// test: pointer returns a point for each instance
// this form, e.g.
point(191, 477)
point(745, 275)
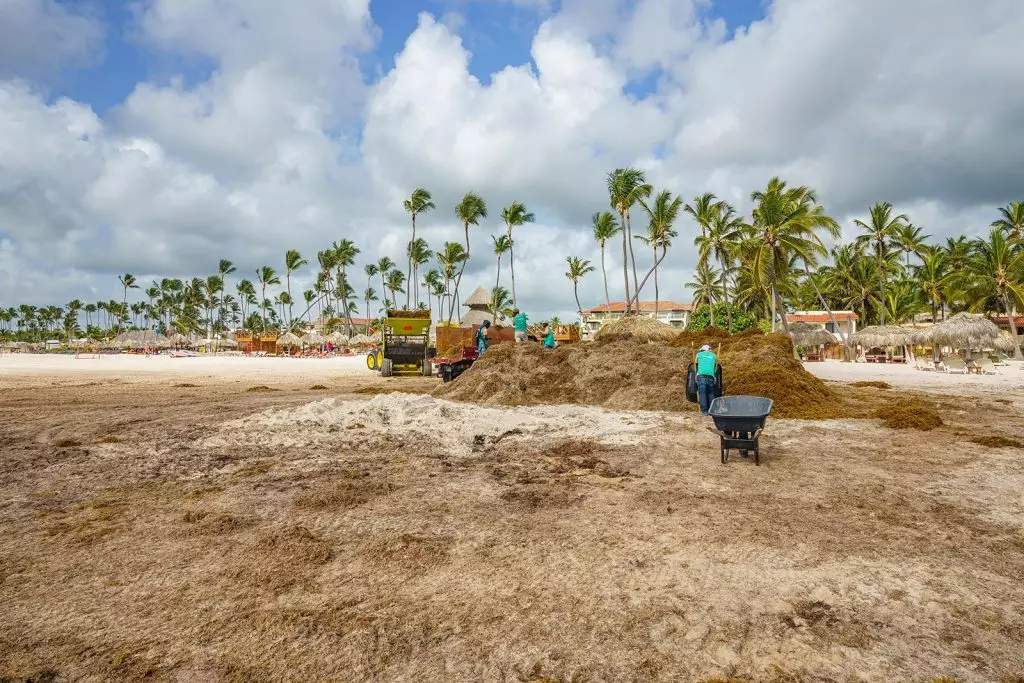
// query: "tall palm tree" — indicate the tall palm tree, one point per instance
point(419, 202)
point(345, 252)
point(514, 215)
point(724, 233)
point(128, 282)
point(501, 303)
point(910, 240)
point(369, 295)
point(881, 228)
point(384, 267)
point(577, 269)
point(292, 261)
point(1011, 221)
point(396, 279)
point(449, 260)
point(224, 268)
point(662, 215)
point(703, 210)
point(785, 224)
point(419, 253)
point(605, 226)
point(266, 275)
point(706, 285)
point(502, 244)
point(933, 277)
point(996, 269)
point(470, 211)
point(432, 282)
point(627, 186)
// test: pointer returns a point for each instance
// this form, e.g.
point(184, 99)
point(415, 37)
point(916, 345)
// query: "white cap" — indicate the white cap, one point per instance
point(706, 347)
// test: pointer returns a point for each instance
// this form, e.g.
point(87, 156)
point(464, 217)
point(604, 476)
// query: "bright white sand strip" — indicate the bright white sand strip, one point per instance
point(1010, 377)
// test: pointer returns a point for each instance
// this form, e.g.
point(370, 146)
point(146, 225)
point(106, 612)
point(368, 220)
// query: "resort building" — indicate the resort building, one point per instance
point(846, 321)
point(671, 313)
point(1003, 322)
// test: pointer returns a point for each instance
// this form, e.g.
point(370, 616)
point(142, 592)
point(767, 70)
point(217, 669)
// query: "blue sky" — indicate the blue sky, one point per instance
point(498, 33)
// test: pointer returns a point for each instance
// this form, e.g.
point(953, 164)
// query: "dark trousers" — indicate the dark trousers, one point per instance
point(705, 392)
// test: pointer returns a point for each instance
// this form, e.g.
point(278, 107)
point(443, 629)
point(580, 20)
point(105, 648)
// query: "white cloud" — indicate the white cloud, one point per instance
point(285, 145)
point(37, 37)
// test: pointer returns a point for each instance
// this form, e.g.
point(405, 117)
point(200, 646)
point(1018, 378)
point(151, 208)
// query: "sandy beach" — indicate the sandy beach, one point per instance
point(224, 519)
point(1007, 378)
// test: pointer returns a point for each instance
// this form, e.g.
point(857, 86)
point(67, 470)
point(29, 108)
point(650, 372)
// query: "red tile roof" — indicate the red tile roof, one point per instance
point(1018, 320)
point(645, 307)
point(819, 317)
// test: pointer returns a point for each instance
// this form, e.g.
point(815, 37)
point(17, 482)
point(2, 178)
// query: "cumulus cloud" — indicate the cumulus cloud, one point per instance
point(38, 37)
point(285, 144)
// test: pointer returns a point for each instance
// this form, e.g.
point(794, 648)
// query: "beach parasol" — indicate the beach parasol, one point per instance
point(963, 330)
point(806, 334)
point(361, 340)
point(883, 336)
point(312, 339)
point(288, 339)
point(337, 338)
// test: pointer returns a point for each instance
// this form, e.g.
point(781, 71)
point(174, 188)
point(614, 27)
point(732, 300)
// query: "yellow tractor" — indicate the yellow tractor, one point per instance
point(404, 345)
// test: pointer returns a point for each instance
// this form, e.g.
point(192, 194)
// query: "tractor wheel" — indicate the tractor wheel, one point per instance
point(371, 361)
point(428, 368)
point(386, 368)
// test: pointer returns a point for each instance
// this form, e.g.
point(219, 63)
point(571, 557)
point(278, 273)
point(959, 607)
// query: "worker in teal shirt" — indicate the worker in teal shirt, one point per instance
point(519, 323)
point(549, 337)
point(706, 362)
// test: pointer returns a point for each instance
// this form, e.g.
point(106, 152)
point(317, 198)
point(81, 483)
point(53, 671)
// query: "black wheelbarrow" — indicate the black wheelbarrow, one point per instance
point(739, 421)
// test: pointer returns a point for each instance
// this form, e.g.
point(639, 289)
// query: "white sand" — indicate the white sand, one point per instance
point(201, 366)
point(899, 375)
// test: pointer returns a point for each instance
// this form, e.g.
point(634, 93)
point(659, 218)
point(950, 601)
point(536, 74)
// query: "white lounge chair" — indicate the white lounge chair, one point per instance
point(924, 364)
point(987, 366)
point(955, 366)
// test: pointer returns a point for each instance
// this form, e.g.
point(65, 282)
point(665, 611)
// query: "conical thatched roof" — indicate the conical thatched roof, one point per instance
point(961, 331)
point(312, 338)
point(806, 334)
point(361, 340)
point(474, 317)
point(479, 297)
point(288, 339)
point(141, 337)
point(337, 338)
point(879, 335)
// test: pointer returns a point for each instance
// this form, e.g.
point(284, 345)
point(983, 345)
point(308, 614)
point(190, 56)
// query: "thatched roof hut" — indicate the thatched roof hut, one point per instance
point(883, 336)
point(806, 334)
point(141, 338)
point(963, 330)
point(288, 339)
point(312, 338)
point(361, 340)
point(337, 338)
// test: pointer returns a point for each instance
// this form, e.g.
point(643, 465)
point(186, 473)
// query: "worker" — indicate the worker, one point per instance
point(706, 362)
point(519, 323)
point(549, 336)
point(483, 337)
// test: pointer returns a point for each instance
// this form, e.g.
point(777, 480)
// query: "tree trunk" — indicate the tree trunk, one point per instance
point(935, 347)
point(604, 274)
point(291, 312)
point(458, 280)
point(656, 291)
point(576, 293)
point(497, 278)
point(774, 301)
point(408, 287)
point(725, 290)
point(1013, 327)
point(511, 266)
point(643, 282)
point(625, 262)
point(632, 258)
point(711, 303)
point(881, 282)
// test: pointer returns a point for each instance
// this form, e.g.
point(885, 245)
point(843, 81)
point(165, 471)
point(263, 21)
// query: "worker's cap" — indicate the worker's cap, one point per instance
point(706, 347)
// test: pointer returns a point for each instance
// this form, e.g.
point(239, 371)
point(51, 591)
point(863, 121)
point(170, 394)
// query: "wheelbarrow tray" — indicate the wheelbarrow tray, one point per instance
point(739, 421)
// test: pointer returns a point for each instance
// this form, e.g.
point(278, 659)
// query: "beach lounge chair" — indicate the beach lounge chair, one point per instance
point(987, 366)
point(955, 366)
point(924, 364)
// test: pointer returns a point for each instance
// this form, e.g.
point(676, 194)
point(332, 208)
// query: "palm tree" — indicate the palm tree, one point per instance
point(502, 244)
point(394, 284)
point(246, 295)
point(996, 269)
point(785, 224)
point(266, 276)
point(910, 240)
point(345, 252)
point(501, 303)
point(577, 269)
point(722, 237)
point(470, 211)
point(703, 210)
point(662, 215)
point(432, 282)
point(384, 268)
point(419, 202)
point(292, 261)
point(224, 268)
point(1012, 221)
point(449, 260)
point(626, 186)
point(706, 285)
point(605, 227)
point(881, 228)
point(369, 295)
point(514, 215)
point(419, 253)
point(128, 282)
point(933, 276)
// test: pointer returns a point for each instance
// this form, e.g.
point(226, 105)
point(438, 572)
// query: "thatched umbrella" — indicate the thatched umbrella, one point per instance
point(312, 339)
point(361, 340)
point(806, 334)
point(288, 339)
point(883, 336)
point(337, 338)
point(963, 331)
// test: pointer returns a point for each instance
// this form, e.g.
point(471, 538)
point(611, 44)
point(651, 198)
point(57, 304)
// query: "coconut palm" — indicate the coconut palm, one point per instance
point(627, 186)
point(514, 215)
point(246, 296)
point(605, 226)
point(432, 283)
point(224, 268)
point(932, 277)
point(470, 211)
point(292, 261)
point(418, 203)
point(384, 267)
point(345, 252)
point(266, 276)
point(882, 228)
point(996, 269)
point(396, 279)
point(706, 285)
point(910, 240)
point(1011, 221)
point(577, 269)
point(502, 244)
point(449, 259)
point(501, 303)
point(127, 282)
point(369, 295)
point(785, 224)
point(419, 253)
point(703, 210)
point(724, 232)
point(661, 214)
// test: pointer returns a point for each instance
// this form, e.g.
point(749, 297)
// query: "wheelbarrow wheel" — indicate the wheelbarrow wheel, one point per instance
point(386, 368)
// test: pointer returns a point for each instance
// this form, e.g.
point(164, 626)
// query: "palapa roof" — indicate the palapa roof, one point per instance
point(288, 339)
point(879, 335)
point(479, 297)
point(475, 317)
point(806, 334)
point(962, 330)
point(140, 337)
point(361, 339)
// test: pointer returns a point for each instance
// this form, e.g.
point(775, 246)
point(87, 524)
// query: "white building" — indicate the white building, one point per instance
point(846, 321)
point(671, 313)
